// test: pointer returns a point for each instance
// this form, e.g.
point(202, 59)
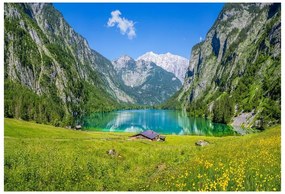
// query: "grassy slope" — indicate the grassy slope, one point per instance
point(41, 157)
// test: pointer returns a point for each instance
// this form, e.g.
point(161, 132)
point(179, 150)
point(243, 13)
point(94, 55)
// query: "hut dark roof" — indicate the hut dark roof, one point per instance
point(149, 134)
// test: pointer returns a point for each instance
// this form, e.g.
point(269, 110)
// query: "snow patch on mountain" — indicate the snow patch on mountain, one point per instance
point(172, 63)
point(133, 73)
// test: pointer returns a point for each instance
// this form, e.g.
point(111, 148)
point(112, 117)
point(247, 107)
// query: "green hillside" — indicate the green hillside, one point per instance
point(45, 158)
point(237, 68)
point(51, 74)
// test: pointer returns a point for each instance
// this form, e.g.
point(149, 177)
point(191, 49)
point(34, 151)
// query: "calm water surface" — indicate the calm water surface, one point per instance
point(161, 121)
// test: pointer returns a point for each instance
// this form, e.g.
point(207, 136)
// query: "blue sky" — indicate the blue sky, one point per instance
point(157, 27)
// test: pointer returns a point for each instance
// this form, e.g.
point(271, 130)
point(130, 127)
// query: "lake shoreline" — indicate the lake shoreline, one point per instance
point(165, 122)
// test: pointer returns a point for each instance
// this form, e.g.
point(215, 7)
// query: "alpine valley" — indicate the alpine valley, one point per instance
point(234, 75)
point(77, 121)
point(53, 76)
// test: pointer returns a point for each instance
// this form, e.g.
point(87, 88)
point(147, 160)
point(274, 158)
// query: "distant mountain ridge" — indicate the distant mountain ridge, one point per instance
point(146, 82)
point(172, 63)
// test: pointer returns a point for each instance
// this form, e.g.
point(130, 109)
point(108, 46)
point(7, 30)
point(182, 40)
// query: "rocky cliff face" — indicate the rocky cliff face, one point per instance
point(146, 82)
point(239, 62)
point(44, 55)
point(169, 62)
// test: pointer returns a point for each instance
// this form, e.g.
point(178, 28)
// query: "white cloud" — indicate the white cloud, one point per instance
point(126, 26)
point(201, 39)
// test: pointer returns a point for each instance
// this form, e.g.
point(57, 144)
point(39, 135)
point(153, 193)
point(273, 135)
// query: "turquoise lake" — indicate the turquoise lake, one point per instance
point(161, 121)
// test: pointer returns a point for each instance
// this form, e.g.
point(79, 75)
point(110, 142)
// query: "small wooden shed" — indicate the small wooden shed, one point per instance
point(150, 135)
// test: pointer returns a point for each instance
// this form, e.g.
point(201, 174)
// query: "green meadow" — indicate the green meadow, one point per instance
point(46, 158)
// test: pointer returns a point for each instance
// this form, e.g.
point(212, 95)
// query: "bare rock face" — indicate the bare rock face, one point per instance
point(243, 119)
point(145, 81)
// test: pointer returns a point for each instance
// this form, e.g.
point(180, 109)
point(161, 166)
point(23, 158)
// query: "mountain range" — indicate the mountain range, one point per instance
point(146, 82)
point(172, 63)
point(233, 76)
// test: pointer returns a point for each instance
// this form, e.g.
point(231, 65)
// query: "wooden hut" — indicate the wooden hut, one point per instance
point(150, 135)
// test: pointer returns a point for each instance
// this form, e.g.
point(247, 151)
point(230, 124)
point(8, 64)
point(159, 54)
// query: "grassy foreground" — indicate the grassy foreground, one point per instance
point(45, 158)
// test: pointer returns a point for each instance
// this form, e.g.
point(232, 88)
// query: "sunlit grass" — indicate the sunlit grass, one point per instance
point(45, 158)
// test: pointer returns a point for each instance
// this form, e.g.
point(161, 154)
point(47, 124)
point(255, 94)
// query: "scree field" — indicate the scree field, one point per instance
point(45, 158)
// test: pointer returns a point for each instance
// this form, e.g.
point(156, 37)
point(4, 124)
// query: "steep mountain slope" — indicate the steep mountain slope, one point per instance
point(236, 71)
point(147, 83)
point(172, 63)
point(51, 74)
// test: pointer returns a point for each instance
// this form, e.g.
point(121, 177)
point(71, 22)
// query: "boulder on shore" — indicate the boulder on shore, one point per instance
point(202, 143)
point(112, 152)
point(78, 127)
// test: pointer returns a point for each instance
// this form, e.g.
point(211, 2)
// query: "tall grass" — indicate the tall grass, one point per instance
point(45, 158)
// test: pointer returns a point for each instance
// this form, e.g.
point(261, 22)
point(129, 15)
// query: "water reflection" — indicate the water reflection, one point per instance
point(162, 121)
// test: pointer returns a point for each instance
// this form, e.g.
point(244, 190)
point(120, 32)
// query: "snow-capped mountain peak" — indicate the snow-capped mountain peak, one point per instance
point(124, 58)
point(145, 81)
point(123, 61)
point(148, 56)
point(172, 63)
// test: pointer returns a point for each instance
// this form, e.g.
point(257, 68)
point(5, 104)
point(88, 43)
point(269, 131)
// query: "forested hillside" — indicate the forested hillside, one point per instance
point(51, 74)
point(236, 70)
